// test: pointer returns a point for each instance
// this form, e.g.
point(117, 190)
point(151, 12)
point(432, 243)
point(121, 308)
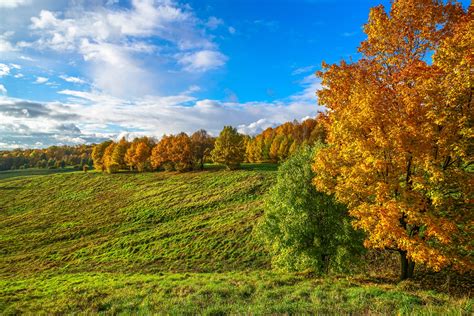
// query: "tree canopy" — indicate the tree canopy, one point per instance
point(400, 133)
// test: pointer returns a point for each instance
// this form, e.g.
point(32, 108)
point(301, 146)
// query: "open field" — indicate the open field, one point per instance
point(32, 172)
point(167, 242)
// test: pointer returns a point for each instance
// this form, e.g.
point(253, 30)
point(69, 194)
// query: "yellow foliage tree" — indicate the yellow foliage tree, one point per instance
point(229, 148)
point(400, 134)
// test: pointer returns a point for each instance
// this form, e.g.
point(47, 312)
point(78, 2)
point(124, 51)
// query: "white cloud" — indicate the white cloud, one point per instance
point(4, 70)
point(231, 30)
point(40, 80)
point(9, 4)
point(5, 45)
point(202, 60)
point(72, 79)
point(303, 70)
point(256, 127)
point(116, 42)
point(3, 90)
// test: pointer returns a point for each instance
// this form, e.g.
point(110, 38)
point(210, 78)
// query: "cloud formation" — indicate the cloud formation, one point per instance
point(115, 42)
point(90, 116)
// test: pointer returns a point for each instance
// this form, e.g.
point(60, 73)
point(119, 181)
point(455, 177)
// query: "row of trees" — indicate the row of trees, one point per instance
point(172, 152)
point(181, 152)
point(51, 157)
point(277, 144)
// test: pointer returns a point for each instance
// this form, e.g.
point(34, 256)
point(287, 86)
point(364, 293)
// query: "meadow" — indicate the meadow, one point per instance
point(74, 242)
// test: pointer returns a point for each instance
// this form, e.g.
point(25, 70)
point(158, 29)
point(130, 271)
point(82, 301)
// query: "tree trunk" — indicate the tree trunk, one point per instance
point(407, 266)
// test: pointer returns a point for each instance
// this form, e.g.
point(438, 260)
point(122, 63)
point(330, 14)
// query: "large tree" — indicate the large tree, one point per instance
point(229, 148)
point(400, 133)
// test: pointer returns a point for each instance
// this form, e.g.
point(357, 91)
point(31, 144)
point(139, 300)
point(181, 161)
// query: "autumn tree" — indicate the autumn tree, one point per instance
point(109, 165)
point(161, 154)
point(182, 153)
point(118, 155)
point(138, 154)
point(400, 134)
point(229, 148)
point(202, 145)
point(142, 153)
point(98, 155)
point(173, 152)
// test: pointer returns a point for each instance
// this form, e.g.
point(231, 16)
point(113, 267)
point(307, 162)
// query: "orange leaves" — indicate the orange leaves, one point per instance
point(173, 152)
point(400, 129)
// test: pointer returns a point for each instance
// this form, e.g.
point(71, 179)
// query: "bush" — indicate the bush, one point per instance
point(303, 228)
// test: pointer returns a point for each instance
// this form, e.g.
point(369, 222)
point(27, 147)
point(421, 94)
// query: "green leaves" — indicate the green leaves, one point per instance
point(304, 228)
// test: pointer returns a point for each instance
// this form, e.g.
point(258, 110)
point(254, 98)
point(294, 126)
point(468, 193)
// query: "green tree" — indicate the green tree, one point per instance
point(229, 148)
point(304, 228)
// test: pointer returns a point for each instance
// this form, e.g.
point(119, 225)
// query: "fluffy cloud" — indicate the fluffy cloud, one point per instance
point(5, 45)
point(116, 43)
point(72, 79)
point(3, 90)
point(40, 80)
point(4, 70)
point(202, 60)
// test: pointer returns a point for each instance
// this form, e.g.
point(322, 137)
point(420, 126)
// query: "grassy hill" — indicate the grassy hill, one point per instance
point(156, 242)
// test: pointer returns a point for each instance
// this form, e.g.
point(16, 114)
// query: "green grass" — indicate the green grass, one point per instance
point(165, 242)
point(31, 172)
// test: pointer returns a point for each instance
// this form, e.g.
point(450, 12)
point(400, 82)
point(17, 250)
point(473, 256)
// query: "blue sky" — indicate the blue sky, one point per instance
point(81, 71)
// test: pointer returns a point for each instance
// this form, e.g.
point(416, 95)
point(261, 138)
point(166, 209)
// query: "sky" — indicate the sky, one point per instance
point(83, 71)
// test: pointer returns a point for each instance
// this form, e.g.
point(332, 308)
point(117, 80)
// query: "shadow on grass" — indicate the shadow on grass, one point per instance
point(32, 172)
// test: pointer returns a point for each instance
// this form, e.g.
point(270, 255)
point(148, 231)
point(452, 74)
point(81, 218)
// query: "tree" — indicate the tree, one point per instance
point(202, 144)
point(400, 134)
point(161, 154)
point(304, 228)
point(110, 165)
point(130, 156)
point(142, 154)
point(182, 152)
point(98, 155)
point(118, 155)
point(275, 147)
point(229, 148)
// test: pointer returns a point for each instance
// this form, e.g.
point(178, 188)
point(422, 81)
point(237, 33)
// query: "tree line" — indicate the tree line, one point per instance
point(51, 157)
point(179, 152)
point(182, 152)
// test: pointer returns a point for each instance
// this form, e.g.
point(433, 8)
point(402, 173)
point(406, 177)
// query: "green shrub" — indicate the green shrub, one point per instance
point(303, 228)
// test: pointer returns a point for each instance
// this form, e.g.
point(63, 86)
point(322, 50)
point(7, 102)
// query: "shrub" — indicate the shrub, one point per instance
point(303, 228)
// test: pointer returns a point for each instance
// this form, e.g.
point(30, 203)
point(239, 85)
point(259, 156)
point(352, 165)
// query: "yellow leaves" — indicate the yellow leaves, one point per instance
point(395, 126)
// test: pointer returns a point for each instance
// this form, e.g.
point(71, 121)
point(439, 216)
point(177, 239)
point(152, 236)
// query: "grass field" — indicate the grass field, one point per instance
point(165, 242)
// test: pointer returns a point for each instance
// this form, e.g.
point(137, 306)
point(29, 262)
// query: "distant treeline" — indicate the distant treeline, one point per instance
point(180, 152)
point(51, 157)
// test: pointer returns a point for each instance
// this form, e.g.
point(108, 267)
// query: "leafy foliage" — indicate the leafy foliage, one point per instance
point(229, 148)
point(304, 228)
point(400, 134)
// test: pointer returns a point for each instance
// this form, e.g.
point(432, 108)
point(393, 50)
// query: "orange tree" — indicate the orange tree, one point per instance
point(400, 134)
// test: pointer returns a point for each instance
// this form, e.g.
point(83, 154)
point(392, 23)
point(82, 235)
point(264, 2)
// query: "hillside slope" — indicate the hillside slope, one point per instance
point(147, 222)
